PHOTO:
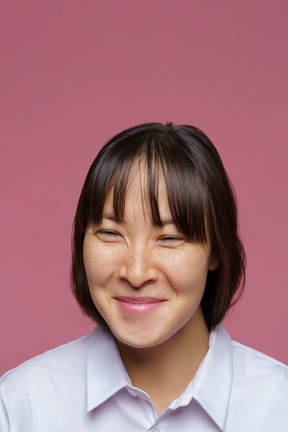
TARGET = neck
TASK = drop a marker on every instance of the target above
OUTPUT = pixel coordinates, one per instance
(164, 371)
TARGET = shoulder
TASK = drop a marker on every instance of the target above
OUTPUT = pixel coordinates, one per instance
(256, 360)
(47, 388)
(259, 391)
(256, 372)
(48, 367)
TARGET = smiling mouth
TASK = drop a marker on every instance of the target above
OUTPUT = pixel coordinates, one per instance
(139, 305)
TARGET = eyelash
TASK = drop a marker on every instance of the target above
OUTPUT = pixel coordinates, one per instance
(114, 234)
(108, 233)
(171, 238)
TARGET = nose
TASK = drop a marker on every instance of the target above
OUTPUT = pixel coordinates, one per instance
(138, 268)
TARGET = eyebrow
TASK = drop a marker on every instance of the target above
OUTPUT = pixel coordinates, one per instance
(111, 217)
(168, 222)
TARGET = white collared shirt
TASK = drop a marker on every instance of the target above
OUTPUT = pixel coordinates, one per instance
(83, 386)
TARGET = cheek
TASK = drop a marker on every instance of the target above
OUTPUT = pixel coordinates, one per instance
(99, 262)
(189, 273)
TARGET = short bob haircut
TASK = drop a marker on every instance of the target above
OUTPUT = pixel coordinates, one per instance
(200, 198)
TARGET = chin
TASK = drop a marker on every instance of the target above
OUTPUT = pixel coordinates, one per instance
(140, 341)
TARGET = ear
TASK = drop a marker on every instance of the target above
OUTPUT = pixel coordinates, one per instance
(213, 262)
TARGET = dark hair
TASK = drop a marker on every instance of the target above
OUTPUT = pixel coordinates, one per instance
(200, 197)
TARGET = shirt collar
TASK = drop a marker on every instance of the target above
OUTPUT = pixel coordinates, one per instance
(213, 385)
(106, 374)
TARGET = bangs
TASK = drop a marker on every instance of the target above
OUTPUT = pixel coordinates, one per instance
(186, 189)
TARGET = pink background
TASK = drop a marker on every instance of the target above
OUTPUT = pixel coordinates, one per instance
(73, 73)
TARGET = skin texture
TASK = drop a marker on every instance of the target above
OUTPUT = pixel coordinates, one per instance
(147, 282)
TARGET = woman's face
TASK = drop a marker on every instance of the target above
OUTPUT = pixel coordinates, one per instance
(146, 281)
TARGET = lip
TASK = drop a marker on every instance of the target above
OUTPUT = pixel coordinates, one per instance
(138, 305)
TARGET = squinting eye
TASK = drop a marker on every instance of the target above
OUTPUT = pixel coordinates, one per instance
(107, 234)
(171, 239)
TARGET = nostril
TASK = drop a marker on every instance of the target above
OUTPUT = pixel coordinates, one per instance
(137, 284)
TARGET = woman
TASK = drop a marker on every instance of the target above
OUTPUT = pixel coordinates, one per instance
(157, 263)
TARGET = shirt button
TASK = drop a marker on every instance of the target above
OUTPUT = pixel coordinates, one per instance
(132, 392)
(155, 430)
